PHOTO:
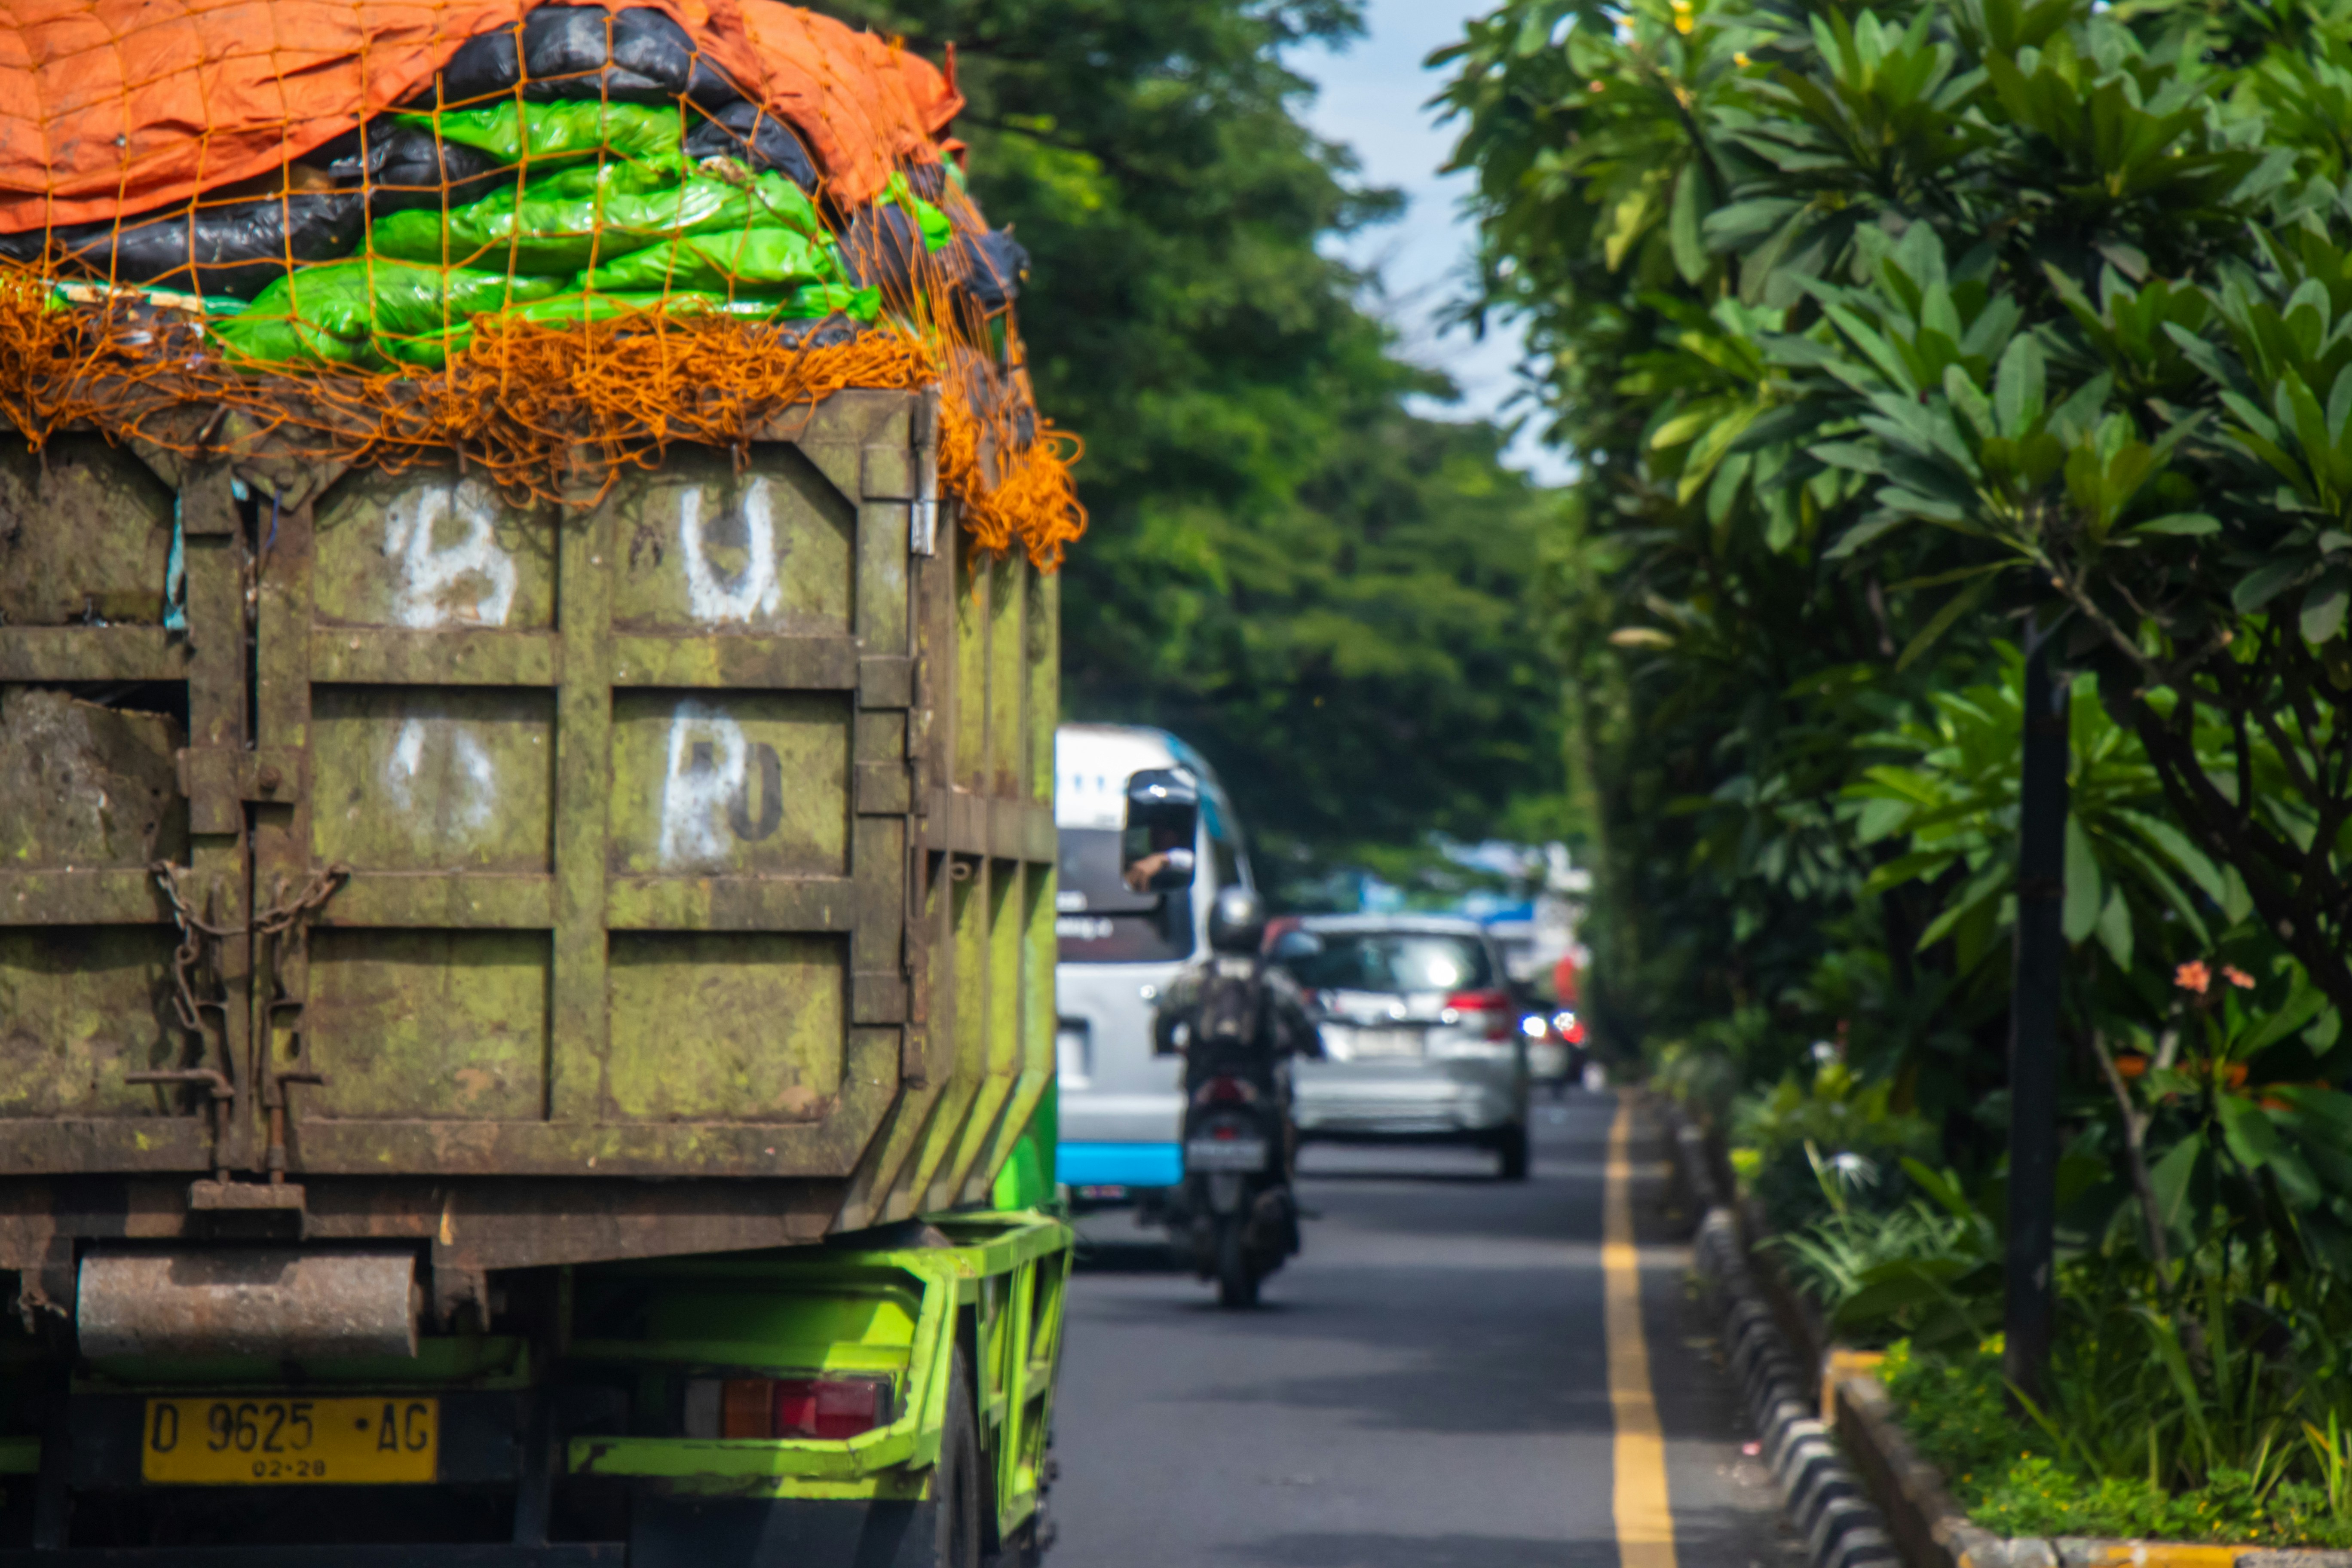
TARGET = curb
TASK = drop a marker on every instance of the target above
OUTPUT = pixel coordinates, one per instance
(1826, 1503)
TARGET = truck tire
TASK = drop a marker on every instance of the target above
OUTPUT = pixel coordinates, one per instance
(957, 1484)
(1238, 1273)
(1511, 1154)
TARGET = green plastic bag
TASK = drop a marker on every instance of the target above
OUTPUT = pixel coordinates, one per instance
(751, 261)
(819, 299)
(936, 229)
(533, 134)
(549, 228)
(808, 302)
(368, 312)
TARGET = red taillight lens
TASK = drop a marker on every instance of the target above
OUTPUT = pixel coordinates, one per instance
(1224, 1091)
(1493, 1007)
(823, 1407)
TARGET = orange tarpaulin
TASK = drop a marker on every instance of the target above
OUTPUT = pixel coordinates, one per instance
(112, 108)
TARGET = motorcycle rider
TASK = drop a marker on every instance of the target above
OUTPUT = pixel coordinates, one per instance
(1238, 1021)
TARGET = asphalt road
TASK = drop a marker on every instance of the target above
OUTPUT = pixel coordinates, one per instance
(1426, 1387)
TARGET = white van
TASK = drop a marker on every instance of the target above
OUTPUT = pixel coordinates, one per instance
(1123, 1107)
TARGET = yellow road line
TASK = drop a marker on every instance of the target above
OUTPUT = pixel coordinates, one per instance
(1646, 1526)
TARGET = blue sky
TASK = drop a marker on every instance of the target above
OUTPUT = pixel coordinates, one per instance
(1372, 96)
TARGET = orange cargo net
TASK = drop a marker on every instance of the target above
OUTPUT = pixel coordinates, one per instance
(109, 108)
(549, 412)
(159, 114)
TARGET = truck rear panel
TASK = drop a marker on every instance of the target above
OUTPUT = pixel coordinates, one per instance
(452, 863)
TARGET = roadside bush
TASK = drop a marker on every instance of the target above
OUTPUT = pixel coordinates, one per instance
(1805, 1151)
(2013, 1478)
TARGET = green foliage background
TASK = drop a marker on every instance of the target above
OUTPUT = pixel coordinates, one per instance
(1328, 595)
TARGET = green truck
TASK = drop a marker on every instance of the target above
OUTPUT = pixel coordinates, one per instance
(526, 1035)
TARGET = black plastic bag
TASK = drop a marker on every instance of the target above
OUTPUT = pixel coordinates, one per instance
(991, 264)
(881, 246)
(408, 166)
(883, 242)
(743, 130)
(237, 249)
(637, 56)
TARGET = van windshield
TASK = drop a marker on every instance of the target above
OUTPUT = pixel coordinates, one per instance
(1393, 960)
(1099, 920)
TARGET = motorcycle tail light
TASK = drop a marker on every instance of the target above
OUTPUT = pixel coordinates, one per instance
(828, 1408)
(1224, 1091)
(1482, 1012)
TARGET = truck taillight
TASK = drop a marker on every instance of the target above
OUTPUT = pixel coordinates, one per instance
(828, 1408)
(1486, 1012)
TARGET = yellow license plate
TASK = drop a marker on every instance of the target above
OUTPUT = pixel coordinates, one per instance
(208, 1441)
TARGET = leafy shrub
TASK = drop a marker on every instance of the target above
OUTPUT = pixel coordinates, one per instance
(2011, 1477)
(1928, 1271)
(1786, 1140)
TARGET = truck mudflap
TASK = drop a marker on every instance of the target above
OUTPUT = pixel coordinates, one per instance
(618, 1442)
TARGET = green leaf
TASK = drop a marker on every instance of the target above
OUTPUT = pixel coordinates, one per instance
(2116, 929)
(2019, 387)
(1958, 604)
(2264, 583)
(1682, 223)
(2251, 1139)
(2084, 891)
(2173, 1178)
(2323, 603)
(2189, 523)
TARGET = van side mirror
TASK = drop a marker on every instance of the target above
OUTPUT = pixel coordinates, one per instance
(1163, 823)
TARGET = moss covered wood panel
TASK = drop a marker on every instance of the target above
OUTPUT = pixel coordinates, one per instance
(699, 832)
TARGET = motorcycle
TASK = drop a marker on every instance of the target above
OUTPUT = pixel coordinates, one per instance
(1239, 1211)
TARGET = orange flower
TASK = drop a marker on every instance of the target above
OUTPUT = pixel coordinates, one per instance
(2131, 1064)
(2235, 1075)
(2193, 976)
(2237, 977)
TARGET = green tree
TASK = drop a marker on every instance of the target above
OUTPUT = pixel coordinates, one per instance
(1874, 323)
(1329, 594)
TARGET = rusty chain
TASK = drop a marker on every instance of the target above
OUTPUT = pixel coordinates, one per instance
(193, 932)
(279, 919)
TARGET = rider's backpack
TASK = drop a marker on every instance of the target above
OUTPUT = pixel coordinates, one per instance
(1231, 1000)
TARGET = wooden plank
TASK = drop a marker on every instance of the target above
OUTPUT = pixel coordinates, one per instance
(284, 868)
(375, 657)
(731, 903)
(579, 1028)
(971, 611)
(91, 653)
(776, 663)
(960, 823)
(825, 1142)
(121, 895)
(220, 879)
(456, 901)
(124, 1144)
(1044, 651)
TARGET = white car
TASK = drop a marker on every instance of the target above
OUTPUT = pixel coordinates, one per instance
(1421, 1035)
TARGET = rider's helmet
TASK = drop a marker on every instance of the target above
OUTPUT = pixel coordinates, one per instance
(1237, 920)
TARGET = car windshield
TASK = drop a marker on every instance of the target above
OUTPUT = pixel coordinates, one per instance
(1099, 920)
(1393, 960)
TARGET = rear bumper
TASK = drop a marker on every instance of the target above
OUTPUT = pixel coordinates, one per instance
(590, 1554)
(1346, 1099)
(1120, 1164)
